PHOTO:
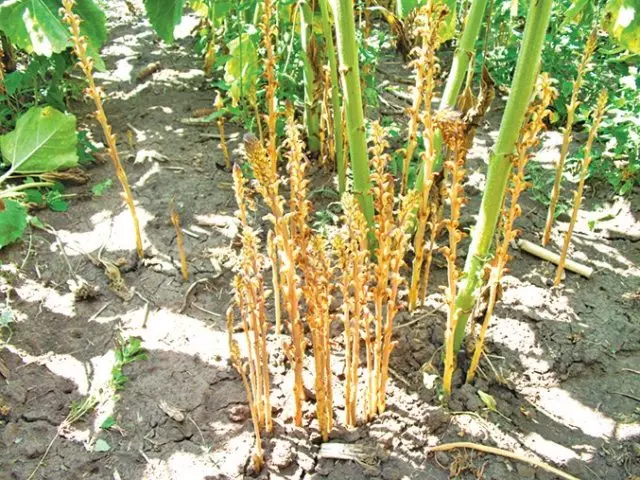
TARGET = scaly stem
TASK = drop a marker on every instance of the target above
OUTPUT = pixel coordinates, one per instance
(528, 140)
(352, 97)
(566, 138)
(593, 133)
(175, 220)
(462, 57)
(86, 64)
(500, 162)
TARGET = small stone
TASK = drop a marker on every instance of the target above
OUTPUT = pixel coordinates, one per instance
(281, 455)
(442, 459)
(306, 461)
(563, 217)
(239, 413)
(525, 471)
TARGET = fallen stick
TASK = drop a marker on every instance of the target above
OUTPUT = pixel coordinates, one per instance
(553, 257)
(504, 453)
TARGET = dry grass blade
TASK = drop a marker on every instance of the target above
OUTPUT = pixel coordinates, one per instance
(86, 65)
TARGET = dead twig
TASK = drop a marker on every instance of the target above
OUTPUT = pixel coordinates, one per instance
(185, 303)
(504, 453)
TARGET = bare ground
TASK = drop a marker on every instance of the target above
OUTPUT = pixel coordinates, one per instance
(563, 364)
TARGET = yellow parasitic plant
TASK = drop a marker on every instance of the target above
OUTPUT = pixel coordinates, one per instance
(219, 106)
(267, 185)
(317, 289)
(175, 220)
(250, 302)
(392, 241)
(353, 257)
(86, 65)
(529, 139)
(577, 198)
(590, 47)
(454, 133)
(428, 20)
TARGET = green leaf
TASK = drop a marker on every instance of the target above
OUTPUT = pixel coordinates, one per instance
(99, 188)
(101, 446)
(108, 423)
(36, 26)
(448, 26)
(44, 140)
(242, 69)
(579, 11)
(13, 221)
(164, 15)
(488, 400)
(55, 202)
(621, 20)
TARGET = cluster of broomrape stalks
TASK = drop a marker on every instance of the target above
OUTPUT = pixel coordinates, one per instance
(309, 271)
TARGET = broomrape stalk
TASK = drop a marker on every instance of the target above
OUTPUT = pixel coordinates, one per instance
(317, 291)
(250, 300)
(352, 98)
(434, 229)
(269, 33)
(86, 65)
(310, 74)
(219, 105)
(354, 263)
(429, 20)
(391, 244)
(577, 199)
(500, 162)
(338, 142)
(529, 139)
(455, 137)
(236, 361)
(568, 129)
(461, 59)
(175, 220)
(267, 186)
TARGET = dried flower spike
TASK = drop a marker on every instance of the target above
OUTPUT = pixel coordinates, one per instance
(175, 220)
(577, 199)
(529, 139)
(590, 47)
(86, 65)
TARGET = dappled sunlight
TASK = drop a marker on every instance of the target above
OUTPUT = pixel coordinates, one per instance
(114, 233)
(575, 414)
(34, 292)
(555, 452)
(190, 466)
(169, 331)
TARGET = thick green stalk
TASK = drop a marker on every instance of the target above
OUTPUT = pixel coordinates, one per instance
(352, 98)
(463, 55)
(311, 106)
(327, 32)
(500, 162)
